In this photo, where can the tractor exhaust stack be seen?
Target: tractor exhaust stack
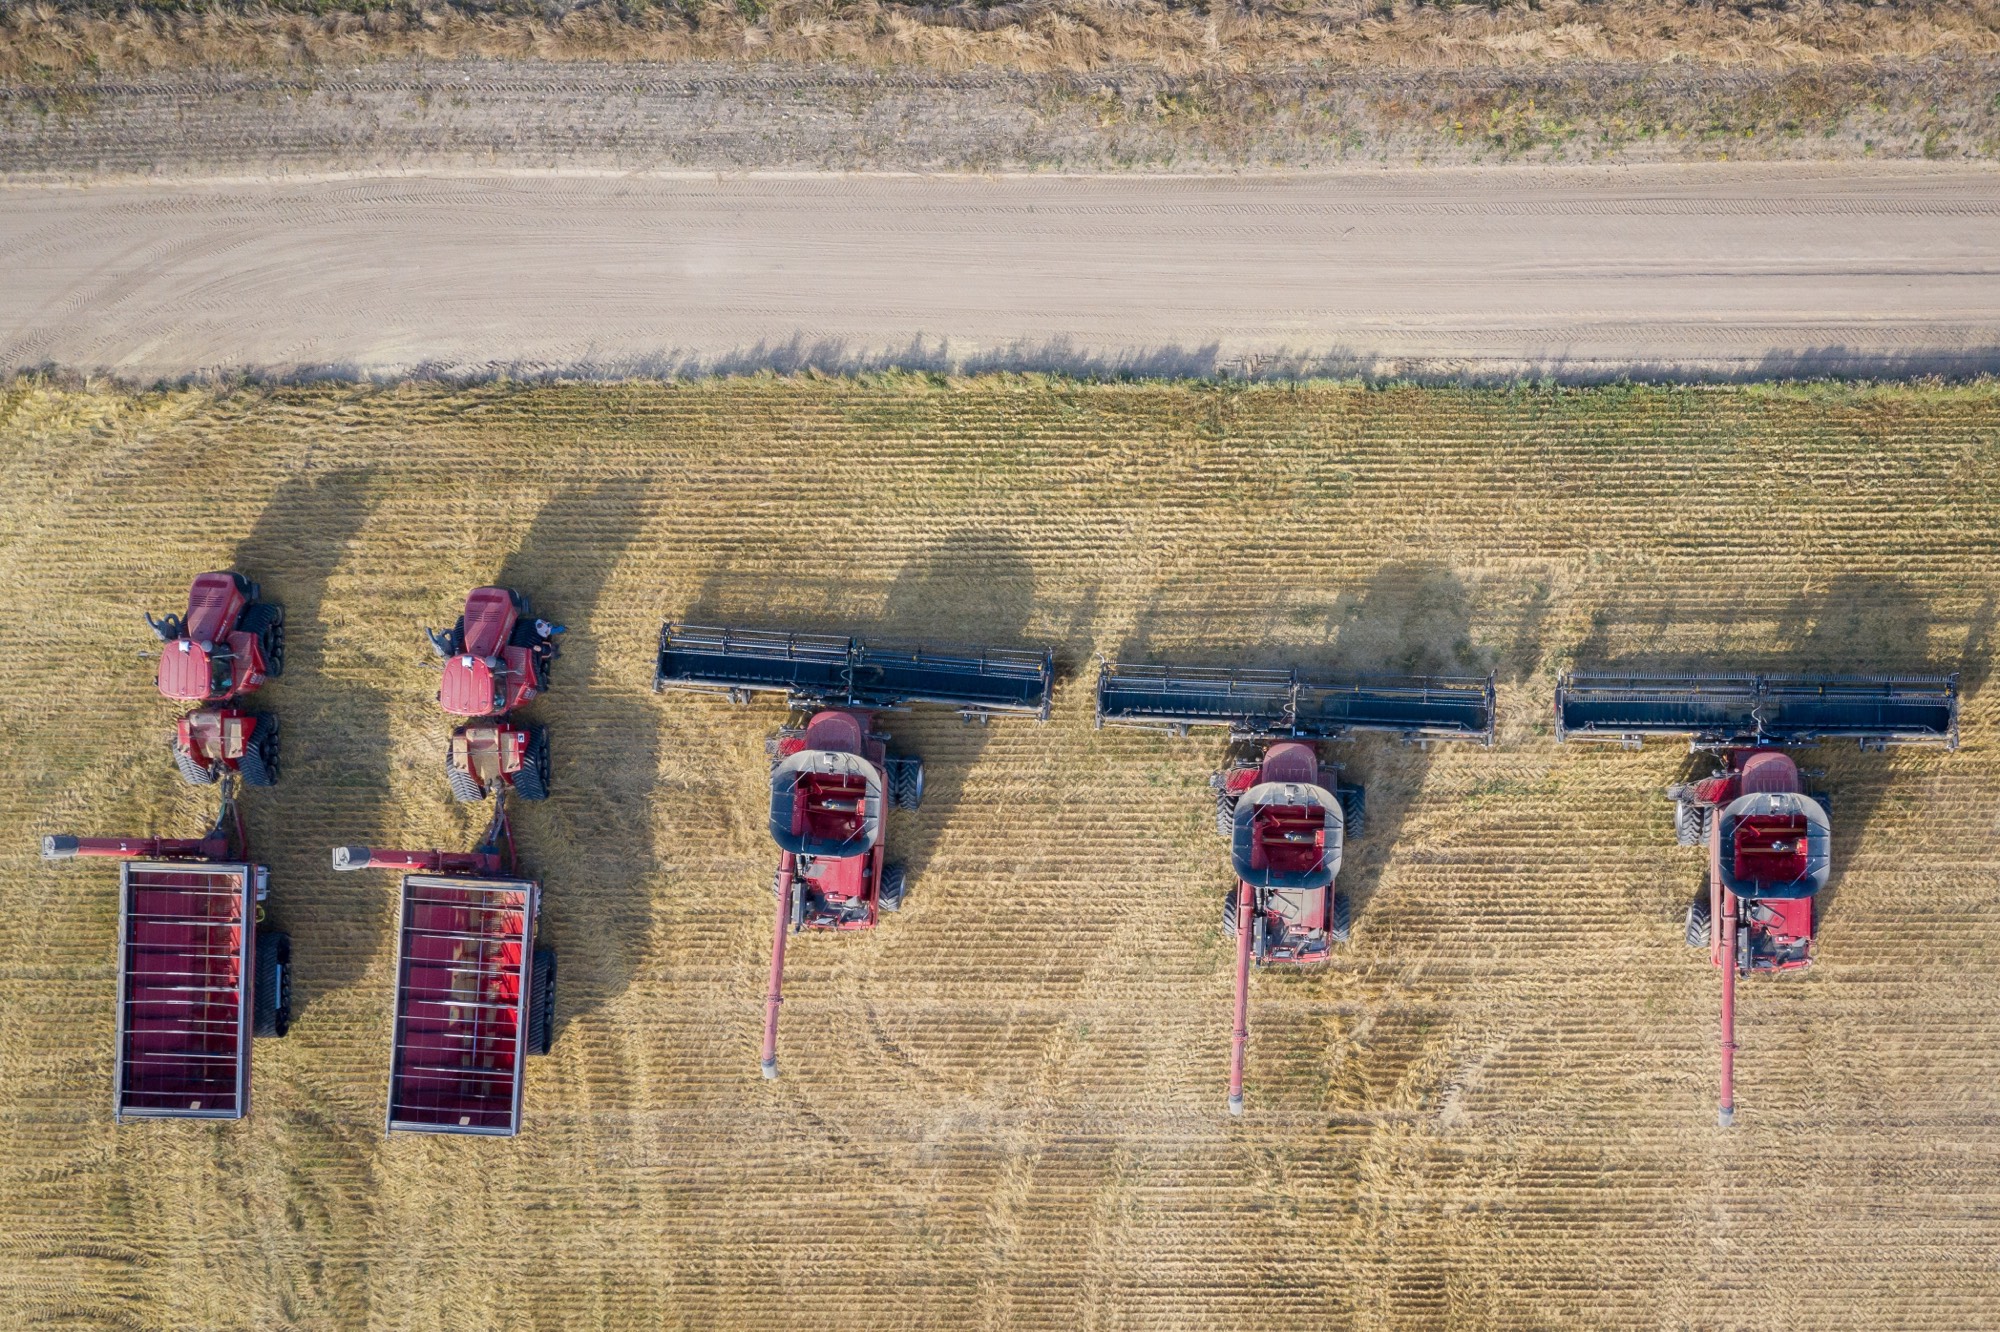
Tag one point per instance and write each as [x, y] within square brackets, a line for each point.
[1726, 1114]
[787, 880]
[1244, 907]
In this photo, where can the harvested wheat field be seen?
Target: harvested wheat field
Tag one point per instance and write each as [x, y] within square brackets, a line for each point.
[1006, 1108]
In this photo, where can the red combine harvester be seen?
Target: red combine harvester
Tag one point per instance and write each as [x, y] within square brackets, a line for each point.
[832, 777]
[496, 658]
[1769, 840]
[474, 995]
[200, 971]
[1282, 810]
[226, 645]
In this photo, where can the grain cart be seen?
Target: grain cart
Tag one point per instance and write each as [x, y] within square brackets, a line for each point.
[1280, 807]
[496, 659]
[832, 776]
[474, 995]
[225, 646]
[200, 969]
[1769, 840]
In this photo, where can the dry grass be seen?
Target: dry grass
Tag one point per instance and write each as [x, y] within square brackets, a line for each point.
[40, 42]
[1005, 1109]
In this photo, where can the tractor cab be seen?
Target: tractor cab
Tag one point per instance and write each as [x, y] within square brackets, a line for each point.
[226, 644]
[496, 657]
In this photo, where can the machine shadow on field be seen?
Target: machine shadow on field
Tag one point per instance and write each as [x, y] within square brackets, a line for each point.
[333, 739]
[1408, 618]
[1855, 626]
[591, 842]
[971, 588]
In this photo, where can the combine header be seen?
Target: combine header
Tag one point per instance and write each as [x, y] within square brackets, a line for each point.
[200, 971]
[473, 993]
[832, 776]
[1281, 809]
[1770, 842]
[225, 646]
[496, 659]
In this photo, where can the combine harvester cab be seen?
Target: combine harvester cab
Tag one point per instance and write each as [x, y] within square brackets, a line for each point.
[832, 776]
[474, 995]
[227, 645]
[1282, 809]
[200, 969]
[496, 658]
[1769, 840]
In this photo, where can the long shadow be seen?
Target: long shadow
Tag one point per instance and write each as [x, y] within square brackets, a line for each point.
[591, 841]
[1856, 626]
[1407, 618]
[333, 786]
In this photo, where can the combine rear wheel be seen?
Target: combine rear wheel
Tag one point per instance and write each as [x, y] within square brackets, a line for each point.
[1697, 921]
[1343, 917]
[1229, 914]
[191, 770]
[542, 1002]
[532, 781]
[273, 1000]
[891, 895]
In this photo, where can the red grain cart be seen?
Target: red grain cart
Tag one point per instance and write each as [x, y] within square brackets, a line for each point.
[1282, 810]
[832, 777]
[226, 646]
[496, 658]
[474, 994]
[200, 970]
[1769, 841]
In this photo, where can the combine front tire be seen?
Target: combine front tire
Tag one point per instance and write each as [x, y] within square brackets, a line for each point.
[906, 782]
[192, 771]
[273, 1000]
[1343, 917]
[465, 788]
[1697, 921]
[532, 781]
[1690, 823]
[890, 897]
[1225, 814]
[542, 1002]
[1353, 814]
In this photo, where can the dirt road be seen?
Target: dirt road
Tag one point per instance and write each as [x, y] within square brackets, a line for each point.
[1585, 273]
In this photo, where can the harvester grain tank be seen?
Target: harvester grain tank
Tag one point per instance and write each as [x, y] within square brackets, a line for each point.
[475, 995]
[1281, 807]
[833, 778]
[1769, 840]
[201, 970]
[227, 644]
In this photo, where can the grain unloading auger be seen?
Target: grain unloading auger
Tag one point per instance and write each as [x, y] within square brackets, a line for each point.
[1285, 815]
[1769, 840]
[832, 777]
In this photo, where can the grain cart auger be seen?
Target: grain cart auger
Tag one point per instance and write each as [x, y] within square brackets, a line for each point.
[832, 776]
[496, 659]
[1769, 840]
[200, 969]
[1280, 807]
[227, 644]
[474, 995]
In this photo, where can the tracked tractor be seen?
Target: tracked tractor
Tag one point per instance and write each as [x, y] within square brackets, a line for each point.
[201, 970]
[833, 778]
[226, 645]
[1282, 809]
[1768, 840]
[496, 659]
[475, 995]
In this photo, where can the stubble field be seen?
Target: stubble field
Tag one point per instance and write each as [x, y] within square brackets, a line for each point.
[1005, 1108]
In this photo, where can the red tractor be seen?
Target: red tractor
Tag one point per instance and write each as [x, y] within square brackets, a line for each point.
[832, 778]
[200, 969]
[1769, 841]
[496, 658]
[474, 994]
[225, 646]
[1286, 817]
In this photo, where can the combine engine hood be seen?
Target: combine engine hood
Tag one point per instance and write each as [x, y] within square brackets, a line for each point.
[833, 671]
